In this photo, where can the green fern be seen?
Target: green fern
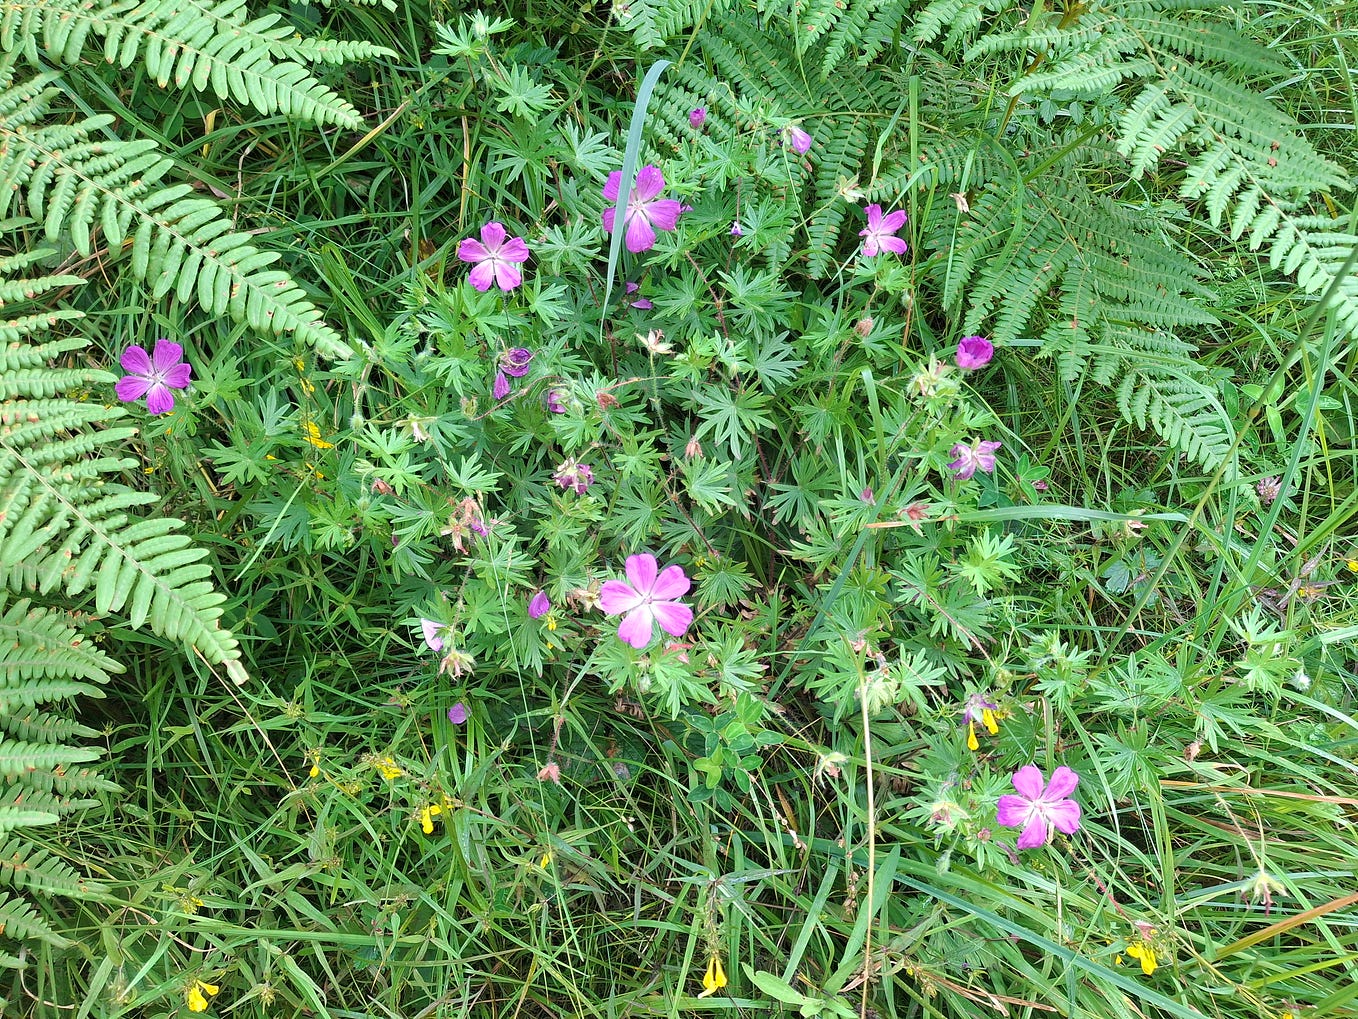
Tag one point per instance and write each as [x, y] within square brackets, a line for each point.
[191, 43]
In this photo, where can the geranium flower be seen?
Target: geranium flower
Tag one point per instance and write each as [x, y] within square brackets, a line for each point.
[880, 232]
[500, 388]
[153, 376]
[515, 361]
[640, 302]
[539, 606]
[648, 597]
[495, 257]
[457, 714]
[574, 475]
[979, 455]
[1037, 809]
[974, 352]
[696, 117]
[554, 398]
[432, 634]
[647, 212]
[736, 231]
[796, 139]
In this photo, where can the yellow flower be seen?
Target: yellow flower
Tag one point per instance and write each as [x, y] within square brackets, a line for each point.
[1147, 956]
[715, 977]
[198, 993]
[428, 814]
[312, 434]
[546, 860]
[1352, 565]
[388, 768]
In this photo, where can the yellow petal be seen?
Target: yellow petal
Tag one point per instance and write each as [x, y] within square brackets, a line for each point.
[196, 1001]
[988, 720]
[972, 742]
[715, 977]
[427, 821]
[211, 989]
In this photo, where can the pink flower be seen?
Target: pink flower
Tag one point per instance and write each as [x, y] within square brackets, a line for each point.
[153, 376]
[736, 231]
[650, 597]
[974, 352]
[574, 475]
[646, 210]
[979, 455]
[539, 606]
[432, 631]
[495, 258]
[501, 387]
[1036, 809]
[640, 302]
[796, 139]
[550, 772]
[515, 361]
[696, 117]
[881, 232]
[457, 714]
[554, 398]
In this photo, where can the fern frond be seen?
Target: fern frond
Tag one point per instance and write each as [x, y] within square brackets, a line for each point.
[21, 921]
[191, 43]
[655, 22]
[18, 758]
[24, 866]
[76, 183]
[40, 643]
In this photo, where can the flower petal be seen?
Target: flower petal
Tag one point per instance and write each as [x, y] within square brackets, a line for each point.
[641, 572]
[671, 583]
[136, 361]
[1012, 811]
[894, 244]
[507, 277]
[1028, 782]
[674, 617]
[650, 182]
[871, 247]
[178, 376]
[500, 389]
[472, 250]
[131, 387]
[874, 213]
[159, 399]
[616, 596]
[493, 235]
[612, 185]
[636, 628]
[1065, 816]
[640, 236]
[515, 250]
[664, 213]
[1035, 834]
[1063, 783]
[893, 221]
[482, 274]
[431, 634]
[608, 219]
[167, 355]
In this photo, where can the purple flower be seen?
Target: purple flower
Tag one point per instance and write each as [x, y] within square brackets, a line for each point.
[1036, 809]
[696, 118]
[646, 210]
[153, 376]
[432, 631]
[648, 597]
[501, 387]
[515, 361]
[736, 231]
[495, 258]
[974, 352]
[457, 714]
[539, 606]
[574, 475]
[969, 458]
[881, 232]
[554, 398]
[640, 302]
[796, 139]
